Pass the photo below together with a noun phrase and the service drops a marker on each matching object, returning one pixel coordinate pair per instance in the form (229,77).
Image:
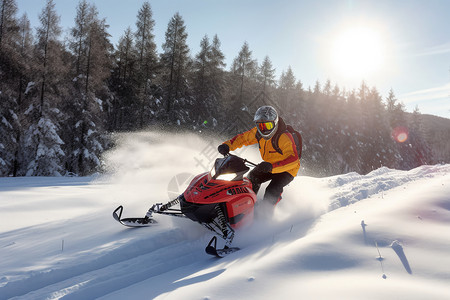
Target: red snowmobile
(221,200)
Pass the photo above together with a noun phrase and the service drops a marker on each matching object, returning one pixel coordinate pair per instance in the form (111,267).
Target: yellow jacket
(288,161)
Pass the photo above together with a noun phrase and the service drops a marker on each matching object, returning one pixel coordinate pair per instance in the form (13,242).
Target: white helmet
(266,119)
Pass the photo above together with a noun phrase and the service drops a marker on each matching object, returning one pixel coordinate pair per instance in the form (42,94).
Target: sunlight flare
(357,52)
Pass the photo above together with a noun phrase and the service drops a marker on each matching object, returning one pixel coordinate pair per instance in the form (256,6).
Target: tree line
(61,99)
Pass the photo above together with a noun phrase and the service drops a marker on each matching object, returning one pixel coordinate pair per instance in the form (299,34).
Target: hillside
(438,136)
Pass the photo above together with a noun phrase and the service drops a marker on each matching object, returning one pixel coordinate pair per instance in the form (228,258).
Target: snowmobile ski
(132,222)
(211,249)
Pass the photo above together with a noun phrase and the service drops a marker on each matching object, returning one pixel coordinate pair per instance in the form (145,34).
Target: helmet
(266,119)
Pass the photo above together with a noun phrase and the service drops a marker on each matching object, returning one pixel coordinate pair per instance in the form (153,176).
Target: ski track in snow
(119,264)
(111,258)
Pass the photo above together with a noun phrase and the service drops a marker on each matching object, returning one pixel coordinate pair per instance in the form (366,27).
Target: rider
(279,168)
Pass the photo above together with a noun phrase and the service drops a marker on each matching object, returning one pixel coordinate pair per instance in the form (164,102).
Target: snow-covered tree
(57,98)
(8,137)
(42,143)
(84,125)
(9,74)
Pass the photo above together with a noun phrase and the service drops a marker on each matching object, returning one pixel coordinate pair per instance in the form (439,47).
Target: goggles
(266,126)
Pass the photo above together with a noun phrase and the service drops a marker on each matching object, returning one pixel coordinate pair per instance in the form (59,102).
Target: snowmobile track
(115,270)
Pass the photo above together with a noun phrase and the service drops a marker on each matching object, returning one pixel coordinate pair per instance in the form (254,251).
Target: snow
(29,87)
(100,103)
(29,109)
(384,235)
(7,124)
(90,132)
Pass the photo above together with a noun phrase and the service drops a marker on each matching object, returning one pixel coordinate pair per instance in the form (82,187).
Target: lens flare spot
(402,137)
(400,134)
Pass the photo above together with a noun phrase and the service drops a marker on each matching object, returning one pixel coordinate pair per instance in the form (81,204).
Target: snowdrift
(385,235)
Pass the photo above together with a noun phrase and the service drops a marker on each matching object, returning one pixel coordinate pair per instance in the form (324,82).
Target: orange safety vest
(287,161)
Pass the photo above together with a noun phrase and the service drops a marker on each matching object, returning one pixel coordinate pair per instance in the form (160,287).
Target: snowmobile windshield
(231,168)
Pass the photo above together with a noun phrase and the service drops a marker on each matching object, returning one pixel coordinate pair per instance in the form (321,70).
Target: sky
(403,45)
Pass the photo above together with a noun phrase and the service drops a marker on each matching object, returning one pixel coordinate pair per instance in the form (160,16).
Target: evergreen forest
(62,98)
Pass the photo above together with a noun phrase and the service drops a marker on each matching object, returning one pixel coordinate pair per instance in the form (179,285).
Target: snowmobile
(221,200)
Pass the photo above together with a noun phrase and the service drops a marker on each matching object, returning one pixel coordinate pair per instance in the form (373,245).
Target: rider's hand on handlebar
(264,167)
(223,149)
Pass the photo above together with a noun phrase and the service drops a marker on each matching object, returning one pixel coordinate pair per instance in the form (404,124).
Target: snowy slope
(385,235)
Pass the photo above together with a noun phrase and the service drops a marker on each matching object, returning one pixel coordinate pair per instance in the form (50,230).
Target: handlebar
(243,159)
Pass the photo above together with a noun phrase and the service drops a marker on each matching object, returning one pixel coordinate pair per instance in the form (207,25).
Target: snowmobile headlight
(226,177)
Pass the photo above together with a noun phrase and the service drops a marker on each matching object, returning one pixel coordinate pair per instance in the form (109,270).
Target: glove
(223,149)
(264,167)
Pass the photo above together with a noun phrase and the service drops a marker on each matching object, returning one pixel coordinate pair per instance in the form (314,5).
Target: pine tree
(287,89)
(376,134)
(352,153)
(144,37)
(48,52)
(147,61)
(9,74)
(79,36)
(419,146)
(126,56)
(125,104)
(208,82)
(395,110)
(267,74)
(25,63)
(91,48)
(287,80)
(391,101)
(42,143)
(201,80)
(8,24)
(10,68)
(340,132)
(398,123)
(25,57)
(175,62)
(8,141)
(244,69)
(217,74)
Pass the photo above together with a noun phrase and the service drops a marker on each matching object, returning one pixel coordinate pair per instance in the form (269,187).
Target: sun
(357,52)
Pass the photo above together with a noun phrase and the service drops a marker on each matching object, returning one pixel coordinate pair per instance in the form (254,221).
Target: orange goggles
(265,126)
